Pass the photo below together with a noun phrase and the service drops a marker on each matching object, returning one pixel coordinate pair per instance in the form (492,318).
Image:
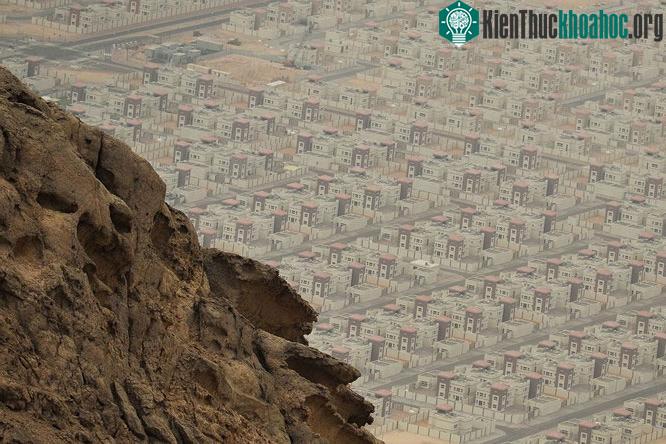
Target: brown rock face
(116,327)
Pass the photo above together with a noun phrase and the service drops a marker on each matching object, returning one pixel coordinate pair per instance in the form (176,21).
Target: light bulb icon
(457,21)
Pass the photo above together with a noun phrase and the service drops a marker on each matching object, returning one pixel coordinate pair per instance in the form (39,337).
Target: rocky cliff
(115,326)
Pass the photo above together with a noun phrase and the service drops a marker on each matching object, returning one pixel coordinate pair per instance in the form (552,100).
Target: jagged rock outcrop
(115,326)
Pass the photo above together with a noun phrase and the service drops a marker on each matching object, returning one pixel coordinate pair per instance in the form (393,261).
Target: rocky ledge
(115,326)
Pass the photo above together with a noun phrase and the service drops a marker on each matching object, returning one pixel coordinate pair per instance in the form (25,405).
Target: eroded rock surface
(115,326)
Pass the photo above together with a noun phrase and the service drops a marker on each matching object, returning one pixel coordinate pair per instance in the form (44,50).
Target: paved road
(410,375)
(268,186)
(79,51)
(107,38)
(159,31)
(578,100)
(30,15)
(351,235)
(448,282)
(454,277)
(348,72)
(577,412)
(581,208)
(568,160)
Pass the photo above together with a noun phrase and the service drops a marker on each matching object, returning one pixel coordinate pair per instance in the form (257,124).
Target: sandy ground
(92,77)
(132,57)
(248,43)
(360,83)
(590,3)
(252,71)
(25,29)
(574,4)
(398,437)
(89,76)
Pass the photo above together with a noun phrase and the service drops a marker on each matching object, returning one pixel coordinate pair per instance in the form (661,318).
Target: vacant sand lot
(249,69)
(398,437)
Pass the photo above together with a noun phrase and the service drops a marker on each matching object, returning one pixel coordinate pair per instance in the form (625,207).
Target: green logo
(459,23)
